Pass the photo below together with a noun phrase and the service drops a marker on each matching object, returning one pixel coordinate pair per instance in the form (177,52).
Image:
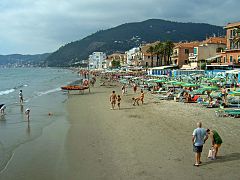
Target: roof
(215,40)
(232,25)
(214,57)
(187,45)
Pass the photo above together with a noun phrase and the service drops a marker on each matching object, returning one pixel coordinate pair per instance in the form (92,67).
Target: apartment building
(232,52)
(97,60)
(181,53)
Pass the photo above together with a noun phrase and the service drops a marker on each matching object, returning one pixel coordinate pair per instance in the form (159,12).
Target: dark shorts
(197,149)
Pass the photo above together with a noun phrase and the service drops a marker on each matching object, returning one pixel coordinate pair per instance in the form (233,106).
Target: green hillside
(126,36)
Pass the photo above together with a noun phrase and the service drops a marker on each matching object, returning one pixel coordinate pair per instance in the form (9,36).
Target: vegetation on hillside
(127,36)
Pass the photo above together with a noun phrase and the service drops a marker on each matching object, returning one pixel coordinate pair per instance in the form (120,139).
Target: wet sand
(150,141)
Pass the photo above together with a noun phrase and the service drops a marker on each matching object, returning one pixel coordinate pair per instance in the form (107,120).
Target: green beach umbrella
(189,85)
(210,88)
(160,80)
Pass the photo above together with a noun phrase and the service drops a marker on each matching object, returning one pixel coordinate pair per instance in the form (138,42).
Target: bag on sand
(210,153)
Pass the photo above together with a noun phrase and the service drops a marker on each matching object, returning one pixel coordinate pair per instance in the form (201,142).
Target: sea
(42,94)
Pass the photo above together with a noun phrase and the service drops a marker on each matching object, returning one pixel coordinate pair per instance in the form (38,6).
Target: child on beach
(27,112)
(118,101)
(136,100)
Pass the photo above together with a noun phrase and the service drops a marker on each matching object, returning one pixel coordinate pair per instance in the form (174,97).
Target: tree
(115,64)
(151,51)
(169,45)
(158,50)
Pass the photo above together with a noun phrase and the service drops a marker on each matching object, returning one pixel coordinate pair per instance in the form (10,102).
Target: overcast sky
(39,26)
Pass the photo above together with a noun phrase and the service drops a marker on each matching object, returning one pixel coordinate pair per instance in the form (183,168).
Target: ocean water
(41,93)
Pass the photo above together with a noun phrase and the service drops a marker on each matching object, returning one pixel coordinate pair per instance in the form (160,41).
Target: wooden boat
(71,87)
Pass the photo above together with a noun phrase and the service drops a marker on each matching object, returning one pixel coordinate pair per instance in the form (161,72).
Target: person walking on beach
(118,101)
(113,98)
(134,87)
(123,89)
(199,137)
(2,108)
(21,97)
(27,112)
(216,142)
(142,96)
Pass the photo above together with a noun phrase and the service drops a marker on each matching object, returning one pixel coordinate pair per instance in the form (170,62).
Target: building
(146,58)
(207,50)
(97,60)
(131,55)
(116,57)
(181,53)
(232,52)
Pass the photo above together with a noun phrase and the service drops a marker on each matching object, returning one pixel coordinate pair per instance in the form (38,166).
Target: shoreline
(150,141)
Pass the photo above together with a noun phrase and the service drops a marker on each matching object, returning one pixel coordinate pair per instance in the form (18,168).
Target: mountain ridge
(129,35)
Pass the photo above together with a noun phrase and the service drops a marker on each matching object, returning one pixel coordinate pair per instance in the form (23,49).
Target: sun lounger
(167,97)
(228,112)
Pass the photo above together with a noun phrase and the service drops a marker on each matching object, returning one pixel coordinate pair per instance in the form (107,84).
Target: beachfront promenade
(146,142)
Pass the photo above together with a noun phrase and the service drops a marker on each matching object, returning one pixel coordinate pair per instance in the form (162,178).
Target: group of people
(199,137)
(27,112)
(116,99)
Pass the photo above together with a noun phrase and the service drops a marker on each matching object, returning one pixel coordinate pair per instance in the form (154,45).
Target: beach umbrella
(210,88)
(160,80)
(189,85)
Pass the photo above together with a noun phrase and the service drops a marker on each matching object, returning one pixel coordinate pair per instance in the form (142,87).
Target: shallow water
(41,93)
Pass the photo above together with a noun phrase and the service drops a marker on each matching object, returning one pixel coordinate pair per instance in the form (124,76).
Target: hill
(19,59)
(126,36)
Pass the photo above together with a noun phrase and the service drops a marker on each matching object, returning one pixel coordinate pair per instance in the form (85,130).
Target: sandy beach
(150,141)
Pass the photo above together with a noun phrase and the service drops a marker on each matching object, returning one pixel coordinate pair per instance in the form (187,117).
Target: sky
(40,26)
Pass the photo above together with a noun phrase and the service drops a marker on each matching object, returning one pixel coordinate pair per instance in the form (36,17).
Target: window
(238,59)
(146,64)
(195,51)
(186,61)
(224,59)
(186,51)
(231,59)
(148,57)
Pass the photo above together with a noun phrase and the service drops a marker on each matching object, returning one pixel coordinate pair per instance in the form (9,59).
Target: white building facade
(131,55)
(97,60)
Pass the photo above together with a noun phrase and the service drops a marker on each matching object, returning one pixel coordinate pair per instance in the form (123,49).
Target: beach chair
(169,96)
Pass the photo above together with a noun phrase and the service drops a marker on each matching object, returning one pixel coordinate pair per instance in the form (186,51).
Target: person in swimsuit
(216,141)
(20,96)
(113,98)
(142,96)
(135,88)
(118,101)
(224,94)
(27,112)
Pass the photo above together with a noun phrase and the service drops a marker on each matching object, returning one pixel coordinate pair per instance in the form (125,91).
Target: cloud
(30,26)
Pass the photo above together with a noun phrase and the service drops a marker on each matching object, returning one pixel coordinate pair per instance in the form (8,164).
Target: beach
(150,141)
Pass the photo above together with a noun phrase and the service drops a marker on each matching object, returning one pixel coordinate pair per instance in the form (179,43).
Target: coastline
(150,141)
